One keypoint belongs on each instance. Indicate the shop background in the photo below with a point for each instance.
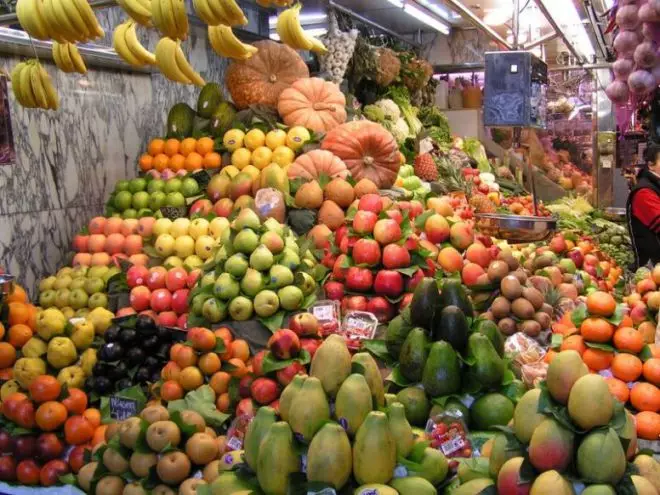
(68, 161)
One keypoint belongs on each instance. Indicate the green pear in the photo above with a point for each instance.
(274, 226)
(226, 288)
(214, 310)
(290, 259)
(240, 308)
(237, 265)
(246, 241)
(291, 297)
(261, 259)
(246, 219)
(252, 283)
(266, 303)
(280, 276)
(305, 282)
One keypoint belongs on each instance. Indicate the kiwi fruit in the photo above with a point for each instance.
(510, 287)
(86, 474)
(547, 309)
(530, 328)
(543, 319)
(114, 461)
(521, 275)
(162, 433)
(201, 448)
(152, 414)
(506, 256)
(129, 432)
(542, 261)
(110, 485)
(194, 418)
(522, 309)
(140, 463)
(567, 278)
(501, 307)
(189, 486)
(134, 488)
(507, 326)
(173, 468)
(534, 296)
(111, 430)
(162, 490)
(497, 270)
(211, 471)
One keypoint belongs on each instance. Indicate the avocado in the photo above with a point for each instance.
(451, 326)
(488, 367)
(222, 119)
(453, 294)
(442, 372)
(397, 331)
(413, 355)
(209, 98)
(490, 330)
(180, 121)
(425, 302)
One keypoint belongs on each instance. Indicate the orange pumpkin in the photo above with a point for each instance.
(314, 103)
(368, 150)
(261, 78)
(314, 163)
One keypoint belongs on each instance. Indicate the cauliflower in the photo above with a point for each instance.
(373, 113)
(400, 130)
(391, 109)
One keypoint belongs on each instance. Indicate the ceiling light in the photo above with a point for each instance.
(568, 19)
(446, 14)
(427, 19)
(309, 32)
(307, 18)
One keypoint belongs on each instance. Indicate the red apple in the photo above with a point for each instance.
(51, 472)
(7, 468)
(413, 281)
(395, 214)
(284, 344)
(371, 202)
(395, 256)
(161, 300)
(257, 362)
(125, 311)
(192, 278)
(389, 283)
(6, 443)
(576, 255)
(354, 303)
(436, 229)
(139, 298)
(201, 207)
(180, 301)
(77, 457)
(310, 345)
(182, 321)
(329, 259)
(81, 243)
(49, 446)
(416, 208)
(366, 252)
(381, 308)
(387, 231)
(244, 386)
(334, 290)
(304, 324)
(341, 265)
(364, 222)
(25, 447)
(340, 234)
(359, 279)
(167, 318)
(347, 243)
(176, 278)
(156, 278)
(557, 244)
(137, 275)
(285, 375)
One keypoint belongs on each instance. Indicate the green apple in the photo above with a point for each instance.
(138, 184)
(180, 227)
(122, 200)
(79, 271)
(82, 313)
(164, 245)
(94, 285)
(77, 283)
(97, 271)
(98, 300)
(173, 185)
(122, 185)
(175, 199)
(184, 246)
(78, 299)
(198, 227)
(172, 262)
(145, 212)
(189, 187)
(67, 270)
(47, 283)
(62, 282)
(204, 246)
(162, 226)
(291, 297)
(129, 213)
(266, 303)
(157, 200)
(140, 200)
(155, 185)
(62, 298)
(112, 271)
(240, 308)
(47, 298)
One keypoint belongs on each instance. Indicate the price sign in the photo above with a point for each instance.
(203, 178)
(122, 408)
(174, 212)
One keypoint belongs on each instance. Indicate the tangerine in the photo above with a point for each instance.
(188, 145)
(18, 313)
(618, 388)
(7, 355)
(18, 294)
(45, 388)
(648, 425)
(156, 147)
(161, 162)
(654, 350)
(93, 415)
(19, 334)
(50, 415)
(204, 145)
(212, 160)
(224, 333)
(626, 367)
(626, 321)
(171, 390)
(174, 349)
(99, 435)
(78, 430)
(76, 401)
(596, 330)
(2, 331)
(628, 339)
(575, 343)
(171, 147)
(194, 161)
(177, 162)
(146, 162)
(597, 359)
(651, 371)
(601, 303)
(645, 397)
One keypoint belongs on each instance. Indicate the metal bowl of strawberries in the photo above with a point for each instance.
(516, 228)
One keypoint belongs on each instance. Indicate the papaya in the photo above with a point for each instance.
(255, 433)
(413, 355)
(353, 403)
(600, 457)
(390, 399)
(375, 489)
(416, 404)
(488, 368)
(329, 458)
(473, 487)
(442, 371)
(413, 485)
(400, 429)
(396, 333)
(331, 364)
(452, 327)
(490, 330)
(369, 368)
(309, 409)
(277, 459)
(434, 466)
(425, 302)
(289, 393)
(453, 294)
(374, 450)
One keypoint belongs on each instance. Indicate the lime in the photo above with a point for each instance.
(189, 187)
(140, 200)
(491, 410)
(175, 199)
(137, 185)
(275, 138)
(122, 185)
(130, 213)
(157, 199)
(155, 185)
(254, 138)
(123, 200)
(173, 185)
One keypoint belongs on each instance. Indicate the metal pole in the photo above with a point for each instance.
(515, 23)
(558, 30)
(469, 16)
(539, 41)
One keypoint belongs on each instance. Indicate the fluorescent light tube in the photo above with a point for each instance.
(396, 3)
(567, 17)
(307, 18)
(431, 21)
(436, 9)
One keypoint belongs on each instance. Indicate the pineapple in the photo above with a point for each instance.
(450, 179)
(481, 204)
(425, 167)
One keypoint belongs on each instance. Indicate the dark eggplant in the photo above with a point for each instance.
(150, 343)
(143, 375)
(102, 384)
(164, 334)
(120, 370)
(135, 356)
(112, 333)
(123, 384)
(111, 352)
(90, 383)
(150, 361)
(100, 369)
(127, 336)
(155, 376)
(163, 351)
(144, 323)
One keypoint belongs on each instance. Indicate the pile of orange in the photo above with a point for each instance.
(631, 368)
(189, 154)
(21, 324)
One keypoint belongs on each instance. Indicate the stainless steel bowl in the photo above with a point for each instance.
(615, 214)
(516, 228)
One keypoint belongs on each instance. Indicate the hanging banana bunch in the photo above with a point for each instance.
(62, 20)
(292, 33)
(170, 18)
(33, 87)
(138, 10)
(129, 48)
(67, 58)
(225, 43)
(214, 12)
(173, 64)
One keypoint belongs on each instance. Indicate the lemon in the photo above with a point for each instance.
(230, 171)
(283, 156)
(233, 139)
(254, 138)
(297, 137)
(261, 157)
(252, 171)
(275, 138)
(240, 158)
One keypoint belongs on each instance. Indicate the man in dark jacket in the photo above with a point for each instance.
(643, 210)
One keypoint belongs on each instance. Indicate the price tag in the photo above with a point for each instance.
(203, 178)
(174, 212)
(235, 443)
(323, 313)
(122, 408)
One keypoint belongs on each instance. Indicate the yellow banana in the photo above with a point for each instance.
(156, 15)
(37, 87)
(203, 10)
(88, 16)
(51, 94)
(166, 59)
(297, 31)
(26, 87)
(75, 20)
(134, 45)
(56, 26)
(283, 31)
(180, 18)
(76, 58)
(292, 33)
(226, 44)
(318, 46)
(140, 11)
(236, 15)
(15, 78)
(168, 26)
(62, 58)
(186, 68)
(219, 12)
(122, 49)
(30, 17)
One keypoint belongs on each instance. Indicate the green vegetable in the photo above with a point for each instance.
(401, 96)
(474, 149)
(373, 113)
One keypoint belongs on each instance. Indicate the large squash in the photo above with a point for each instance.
(368, 150)
(314, 103)
(262, 77)
(313, 164)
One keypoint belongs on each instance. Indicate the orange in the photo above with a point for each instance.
(209, 363)
(562, 329)
(93, 415)
(171, 390)
(566, 319)
(618, 389)
(18, 294)
(601, 303)
(50, 415)
(651, 370)
(185, 357)
(44, 388)
(170, 371)
(146, 162)
(7, 355)
(188, 145)
(654, 350)
(2, 331)
(77, 430)
(626, 367)
(645, 397)
(194, 161)
(204, 145)
(223, 402)
(99, 435)
(19, 335)
(156, 147)
(32, 321)
(239, 369)
(18, 313)
(219, 382)
(76, 401)
(648, 425)
(597, 359)
(212, 160)
(177, 162)
(596, 330)
(574, 342)
(171, 147)
(161, 162)
(628, 339)
(647, 330)
(626, 321)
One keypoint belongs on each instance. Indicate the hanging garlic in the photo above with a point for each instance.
(340, 47)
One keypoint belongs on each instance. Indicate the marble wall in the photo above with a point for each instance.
(68, 161)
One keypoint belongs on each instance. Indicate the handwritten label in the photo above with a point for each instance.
(122, 408)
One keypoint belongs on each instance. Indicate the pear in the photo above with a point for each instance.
(261, 259)
(246, 219)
